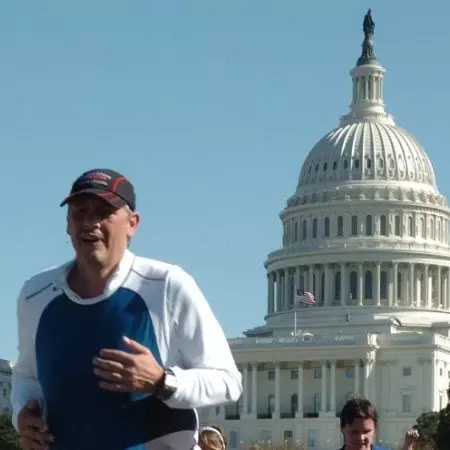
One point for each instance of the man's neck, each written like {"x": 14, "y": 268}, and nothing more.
{"x": 87, "y": 281}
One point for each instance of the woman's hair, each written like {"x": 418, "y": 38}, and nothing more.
{"x": 212, "y": 438}
{"x": 358, "y": 408}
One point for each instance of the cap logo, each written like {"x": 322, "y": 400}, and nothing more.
{"x": 95, "y": 178}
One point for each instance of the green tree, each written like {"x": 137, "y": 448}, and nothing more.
{"x": 9, "y": 439}
{"x": 427, "y": 425}
{"x": 443, "y": 429}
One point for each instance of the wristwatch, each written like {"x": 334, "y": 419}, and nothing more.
{"x": 166, "y": 386}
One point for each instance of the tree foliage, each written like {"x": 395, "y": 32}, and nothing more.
{"x": 427, "y": 426}
{"x": 442, "y": 437}
{"x": 9, "y": 439}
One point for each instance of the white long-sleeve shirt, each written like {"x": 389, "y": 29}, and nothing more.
{"x": 154, "y": 303}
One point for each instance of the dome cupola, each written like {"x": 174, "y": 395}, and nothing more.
{"x": 367, "y": 147}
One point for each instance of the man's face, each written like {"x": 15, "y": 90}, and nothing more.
{"x": 99, "y": 232}
{"x": 359, "y": 434}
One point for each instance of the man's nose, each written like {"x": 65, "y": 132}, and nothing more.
{"x": 91, "y": 218}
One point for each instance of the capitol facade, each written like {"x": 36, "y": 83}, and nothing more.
{"x": 5, "y": 385}
{"x": 366, "y": 231}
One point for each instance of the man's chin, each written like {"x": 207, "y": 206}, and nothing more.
{"x": 93, "y": 257}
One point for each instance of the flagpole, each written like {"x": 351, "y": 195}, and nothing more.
{"x": 295, "y": 323}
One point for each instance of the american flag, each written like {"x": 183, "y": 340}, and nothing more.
{"x": 304, "y": 297}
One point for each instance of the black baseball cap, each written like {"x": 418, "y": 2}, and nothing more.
{"x": 107, "y": 184}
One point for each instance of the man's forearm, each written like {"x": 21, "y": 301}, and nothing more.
{"x": 199, "y": 388}
{"x": 23, "y": 390}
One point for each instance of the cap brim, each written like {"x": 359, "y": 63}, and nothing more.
{"x": 108, "y": 197}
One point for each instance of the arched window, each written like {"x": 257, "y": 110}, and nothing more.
{"x": 368, "y": 284}
{"x": 383, "y": 284}
{"x": 340, "y": 226}
{"x": 337, "y": 286}
{"x": 314, "y": 228}
{"x": 369, "y": 230}
{"x": 397, "y": 225}
{"x": 410, "y": 226}
{"x": 271, "y": 401}
{"x": 353, "y": 285}
{"x": 304, "y": 230}
{"x": 326, "y": 227}
{"x": 383, "y": 226}
{"x": 354, "y": 225}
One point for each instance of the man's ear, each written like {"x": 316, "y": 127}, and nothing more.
{"x": 135, "y": 219}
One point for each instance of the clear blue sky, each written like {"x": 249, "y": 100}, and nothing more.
{"x": 209, "y": 107}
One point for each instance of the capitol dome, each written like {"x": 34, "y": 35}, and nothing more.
{"x": 368, "y": 146}
{"x": 358, "y": 294}
{"x": 366, "y": 225}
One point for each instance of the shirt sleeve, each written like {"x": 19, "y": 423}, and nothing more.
{"x": 25, "y": 386}
{"x": 208, "y": 375}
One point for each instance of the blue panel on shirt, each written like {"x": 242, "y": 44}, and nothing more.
{"x": 80, "y": 414}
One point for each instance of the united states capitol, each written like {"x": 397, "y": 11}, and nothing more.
{"x": 366, "y": 231}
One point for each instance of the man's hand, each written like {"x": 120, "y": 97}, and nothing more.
{"x": 33, "y": 431}
{"x": 128, "y": 372}
{"x": 411, "y": 438}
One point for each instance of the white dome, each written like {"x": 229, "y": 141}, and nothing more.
{"x": 367, "y": 150}
{"x": 368, "y": 147}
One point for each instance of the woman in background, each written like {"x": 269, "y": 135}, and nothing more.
{"x": 212, "y": 438}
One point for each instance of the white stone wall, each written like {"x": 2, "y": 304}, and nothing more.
{"x": 402, "y": 382}
{"x": 5, "y": 386}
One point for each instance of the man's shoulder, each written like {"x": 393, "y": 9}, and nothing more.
{"x": 153, "y": 269}
{"x": 41, "y": 281}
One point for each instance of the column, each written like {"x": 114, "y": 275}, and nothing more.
{"x": 297, "y": 278}
{"x": 344, "y": 282}
{"x": 366, "y": 370}
{"x": 372, "y": 380}
{"x": 276, "y": 413}
{"x": 377, "y": 284}
{"x": 299, "y": 412}
{"x": 427, "y": 286}
{"x": 333, "y": 387}
{"x": 395, "y": 280}
{"x": 447, "y": 302}
{"x": 427, "y": 378}
{"x": 357, "y": 385}
{"x": 360, "y": 284}
{"x": 311, "y": 279}
{"x": 327, "y": 297}
{"x": 438, "y": 287}
{"x": 391, "y": 286}
{"x": 323, "y": 396}
{"x": 255, "y": 389}
{"x": 318, "y": 294}
{"x": 245, "y": 391}
{"x": 270, "y": 292}
{"x": 434, "y": 394}
{"x": 393, "y": 386}
{"x": 286, "y": 299}
{"x": 412, "y": 282}
{"x": 278, "y": 290}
